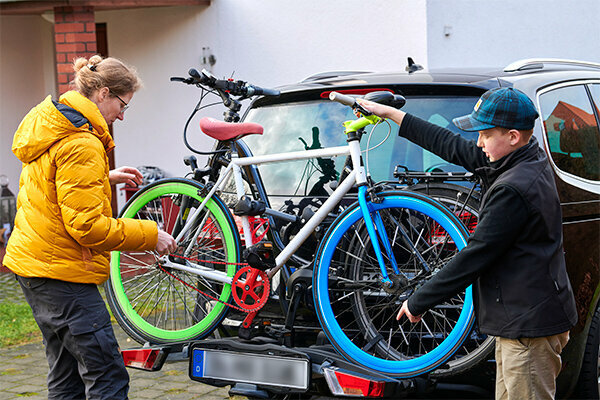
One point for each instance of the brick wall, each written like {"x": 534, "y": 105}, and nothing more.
{"x": 74, "y": 36}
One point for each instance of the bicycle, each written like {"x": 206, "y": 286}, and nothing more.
{"x": 374, "y": 254}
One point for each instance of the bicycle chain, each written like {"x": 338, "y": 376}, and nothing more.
{"x": 266, "y": 286}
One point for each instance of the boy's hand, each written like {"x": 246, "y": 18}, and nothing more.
{"x": 405, "y": 311}
{"x": 382, "y": 111}
{"x": 128, "y": 175}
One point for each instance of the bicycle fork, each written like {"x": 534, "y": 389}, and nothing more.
{"x": 375, "y": 226}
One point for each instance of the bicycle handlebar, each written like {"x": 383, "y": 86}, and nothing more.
{"x": 234, "y": 88}
{"x": 382, "y": 97}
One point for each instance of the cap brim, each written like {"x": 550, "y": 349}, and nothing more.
{"x": 470, "y": 124}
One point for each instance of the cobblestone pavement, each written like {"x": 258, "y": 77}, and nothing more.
{"x": 23, "y": 368}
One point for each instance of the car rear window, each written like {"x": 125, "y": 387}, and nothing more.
{"x": 318, "y": 124}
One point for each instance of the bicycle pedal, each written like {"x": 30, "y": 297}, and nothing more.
{"x": 245, "y": 333}
{"x": 277, "y": 332}
{"x": 246, "y": 330}
{"x": 248, "y": 207}
{"x": 260, "y": 255}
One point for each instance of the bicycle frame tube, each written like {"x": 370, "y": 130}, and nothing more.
{"x": 357, "y": 176}
{"x": 258, "y": 160}
{"x": 239, "y": 189}
{"x": 312, "y": 223}
{"x": 292, "y": 246}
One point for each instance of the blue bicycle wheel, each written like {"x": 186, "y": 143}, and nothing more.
{"x": 357, "y": 311}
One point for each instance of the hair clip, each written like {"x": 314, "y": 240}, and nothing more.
{"x": 92, "y": 67}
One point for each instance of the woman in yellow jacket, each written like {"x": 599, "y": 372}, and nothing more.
{"x": 64, "y": 231}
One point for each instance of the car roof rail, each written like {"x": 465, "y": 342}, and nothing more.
{"x": 331, "y": 74}
{"x": 538, "y": 63}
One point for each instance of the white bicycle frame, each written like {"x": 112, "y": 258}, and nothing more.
{"x": 357, "y": 176}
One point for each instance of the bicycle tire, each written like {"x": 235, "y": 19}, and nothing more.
{"x": 153, "y": 306}
{"x": 464, "y": 203}
{"x": 358, "y": 314}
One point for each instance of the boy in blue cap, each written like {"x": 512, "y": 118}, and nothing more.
{"x": 514, "y": 258}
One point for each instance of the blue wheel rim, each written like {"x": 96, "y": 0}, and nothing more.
{"x": 335, "y": 333}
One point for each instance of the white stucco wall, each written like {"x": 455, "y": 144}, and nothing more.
{"x": 498, "y": 32}
{"x": 26, "y": 77}
{"x": 268, "y": 43}
{"x": 281, "y": 41}
{"x": 160, "y": 43}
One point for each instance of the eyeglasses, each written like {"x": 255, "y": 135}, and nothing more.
{"x": 125, "y": 106}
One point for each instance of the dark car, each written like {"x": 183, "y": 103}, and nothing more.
{"x": 567, "y": 95}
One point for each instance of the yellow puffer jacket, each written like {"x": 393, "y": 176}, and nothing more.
{"x": 63, "y": 227}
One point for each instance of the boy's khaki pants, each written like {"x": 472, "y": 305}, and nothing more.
{"x": 527, "y": 368}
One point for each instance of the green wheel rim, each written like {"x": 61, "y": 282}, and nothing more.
{"x": 117, "y": 283}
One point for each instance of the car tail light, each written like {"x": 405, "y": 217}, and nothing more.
{"x": 343, "y": 383}
{"x": 146, "y": 359}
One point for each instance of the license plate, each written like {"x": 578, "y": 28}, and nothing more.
{"x": 250, "y": 368}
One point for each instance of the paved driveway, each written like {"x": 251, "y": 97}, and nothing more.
{"x": 23, "y": 368}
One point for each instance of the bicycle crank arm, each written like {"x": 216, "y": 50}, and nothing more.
{"x": 200, "y": 271}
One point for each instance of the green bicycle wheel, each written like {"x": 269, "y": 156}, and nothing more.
{"x": 158, "y": 305}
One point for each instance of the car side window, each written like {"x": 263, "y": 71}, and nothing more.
{"x": 572, "y": 130}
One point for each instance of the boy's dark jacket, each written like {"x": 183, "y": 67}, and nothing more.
{"x": 515, "y": 256}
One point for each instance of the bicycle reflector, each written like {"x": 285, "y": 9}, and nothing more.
{"x": 145, "y": 359}
{"x": 343, "y": 383}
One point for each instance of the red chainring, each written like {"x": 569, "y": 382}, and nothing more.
{"x": 250, "y": 288}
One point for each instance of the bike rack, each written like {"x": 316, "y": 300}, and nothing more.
{"x": 329, "y": 373}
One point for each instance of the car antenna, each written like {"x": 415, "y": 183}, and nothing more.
{"x": 412, "y": 66}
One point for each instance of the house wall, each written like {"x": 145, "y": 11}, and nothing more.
{"x": 268, "y": 43}
{"x": 26, "y": 77}
{"x": 498, "y": 32}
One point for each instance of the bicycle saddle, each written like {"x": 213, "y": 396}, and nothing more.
{"x": 228, "y": 130}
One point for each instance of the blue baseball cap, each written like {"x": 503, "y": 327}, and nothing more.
{"x": 500, "y": 107}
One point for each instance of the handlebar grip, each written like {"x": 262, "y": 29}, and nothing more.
{"x": 204, "y": 77}
{"x": 342, "y": 98}
{"x": 269, "y": 92}
{"x": 194, "y": 73}
{"x": 251, "y": 90}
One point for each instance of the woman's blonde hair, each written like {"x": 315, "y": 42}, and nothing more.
{"x": 98, "y": 72}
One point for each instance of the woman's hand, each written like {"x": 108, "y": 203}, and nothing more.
{"x": 405, "y": 311}
{"x": 165, "y": 244}
{"x": 128, "y": 175}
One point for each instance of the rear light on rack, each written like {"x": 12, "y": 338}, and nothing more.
{"x": 440, "y": 236}
{"x": 343, "y": 383}
{"x": 151, "y": 359}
